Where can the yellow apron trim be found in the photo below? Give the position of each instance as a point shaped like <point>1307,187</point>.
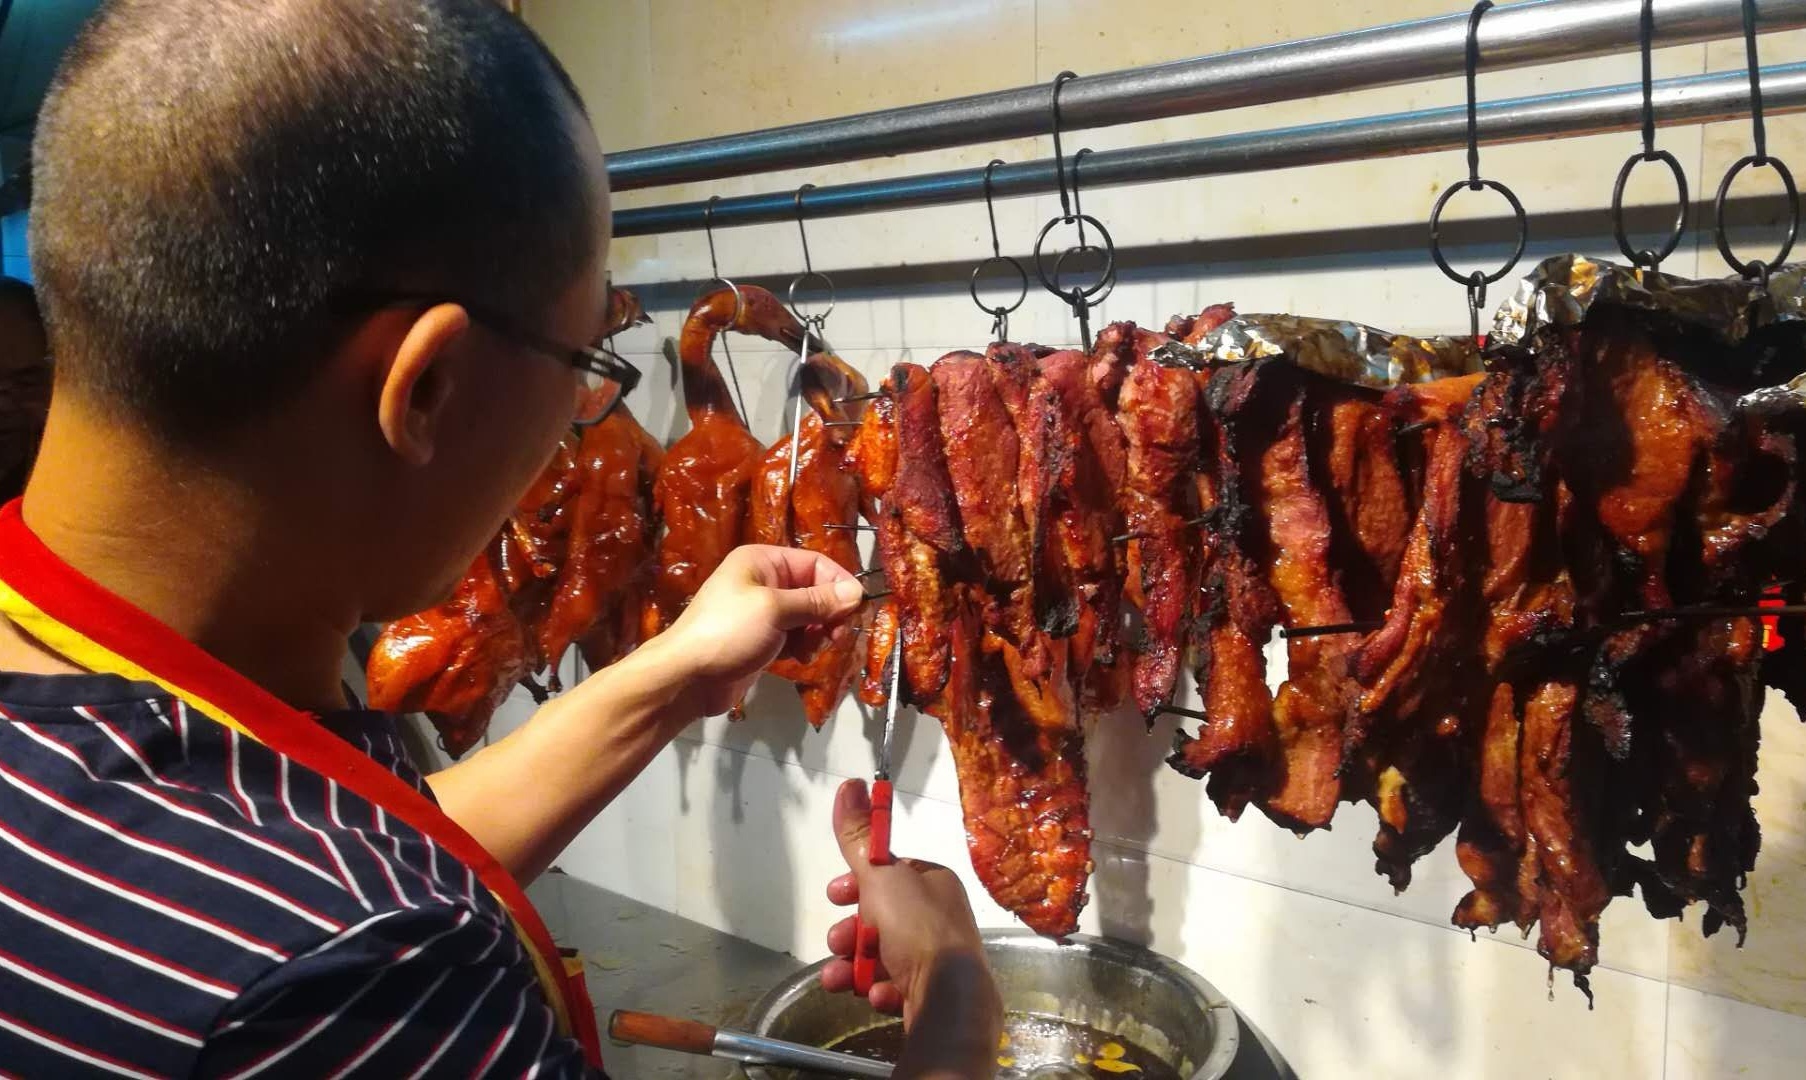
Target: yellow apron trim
<point>80,651</point>
<point>74,647</point>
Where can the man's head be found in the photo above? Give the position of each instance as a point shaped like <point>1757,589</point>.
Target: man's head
<point>226,191</point>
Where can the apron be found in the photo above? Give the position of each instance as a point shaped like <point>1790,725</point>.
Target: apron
<point>76,618</point>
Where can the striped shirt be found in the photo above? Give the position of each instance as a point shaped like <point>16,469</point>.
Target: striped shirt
<point>179,900</point>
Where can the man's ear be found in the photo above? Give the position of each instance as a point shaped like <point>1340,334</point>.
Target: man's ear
<point>418,383</point>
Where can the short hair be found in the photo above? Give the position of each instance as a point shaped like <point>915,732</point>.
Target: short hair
<point>213,178</point>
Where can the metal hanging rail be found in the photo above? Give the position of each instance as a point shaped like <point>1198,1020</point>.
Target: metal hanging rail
<point>1512,36</point>
<point>1691,100</point>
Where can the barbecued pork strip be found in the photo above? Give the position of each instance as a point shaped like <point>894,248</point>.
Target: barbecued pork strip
<point>1157,409</point>
<point>1404,739</point>
<point>1560,761</point>
<point>1236,746</point>
<point>919,527</point>
<point>1700,693</point>
<point>1696,696</point>
<point>1024,628</point>
<point>1526,595</point>
<point>1021,785</point>
<point>1082,562</point>
<point>1022,781</point>
<point>1262,409</point>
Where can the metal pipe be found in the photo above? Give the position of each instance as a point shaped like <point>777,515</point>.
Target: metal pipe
<point>1694,99</point>
<point>1513,36</point>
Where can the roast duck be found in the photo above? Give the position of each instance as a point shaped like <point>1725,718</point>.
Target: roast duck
<point>1064,533</point>
<point>570,566</point>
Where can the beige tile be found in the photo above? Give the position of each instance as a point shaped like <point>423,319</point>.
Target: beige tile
<point>1771,969</point>
<point>1342,991</point>
<point>1711,1037</point>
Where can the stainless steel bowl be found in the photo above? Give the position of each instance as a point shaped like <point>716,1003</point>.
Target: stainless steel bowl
<point>1119,989</point>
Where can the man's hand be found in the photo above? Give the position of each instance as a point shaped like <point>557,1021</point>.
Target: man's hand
<point>759,604</point>
<point>527,796</point>
<point>925,926</point>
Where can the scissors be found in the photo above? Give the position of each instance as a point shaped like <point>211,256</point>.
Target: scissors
<point>865,936</point>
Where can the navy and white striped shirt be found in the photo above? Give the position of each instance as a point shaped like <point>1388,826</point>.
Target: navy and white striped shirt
<point>179,900</point>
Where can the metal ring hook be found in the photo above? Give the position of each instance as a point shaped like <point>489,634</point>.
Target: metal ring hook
<point>1755,269</point>
<point>1475,282</point>
<point>809,271</point>
<point>1645,257</point>
<point>1000,315</point>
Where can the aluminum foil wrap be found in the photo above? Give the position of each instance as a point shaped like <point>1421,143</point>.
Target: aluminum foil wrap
<point>1738,333</point>
<point>1563,288</point>
<point>1338,349</point>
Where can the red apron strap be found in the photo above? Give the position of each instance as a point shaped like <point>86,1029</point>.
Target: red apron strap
<point>75,616</point>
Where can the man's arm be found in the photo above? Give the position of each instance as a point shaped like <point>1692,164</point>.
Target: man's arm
<point>527,796</point>
<point>932,967</point>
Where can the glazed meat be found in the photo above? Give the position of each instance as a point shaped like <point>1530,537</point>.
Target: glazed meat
<point>541,520</point>
<point>982,455</point>
<point>1157,408</point>
<point>456,662</point>
<point>1404,737</point>
<point>969,640</point>
<point>825,493</point>
<point>609,544</point>
<point>1079,565</point>
<point>705,482</point>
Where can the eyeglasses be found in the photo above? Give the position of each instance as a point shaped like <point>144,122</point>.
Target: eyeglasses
<point>605,381</point>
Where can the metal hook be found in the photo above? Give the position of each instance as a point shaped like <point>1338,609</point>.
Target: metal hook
<point>1473,69</point>
<point>808,267</point>
<point>727,351</point>
<point>708,230</point>
<point>1646,45</point>
<point>991,208</point>
<point>1078,210</point>
<point>1759,127</point>
<point>1059,154</point>
<point>809,272</point>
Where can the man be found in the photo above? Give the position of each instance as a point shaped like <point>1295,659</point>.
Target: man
<point>24,384</point>
<point>316,274</point>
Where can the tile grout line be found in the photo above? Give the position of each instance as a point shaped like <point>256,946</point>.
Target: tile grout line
<point>1238,875</point>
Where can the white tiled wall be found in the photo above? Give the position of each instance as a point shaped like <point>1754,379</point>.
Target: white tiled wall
<point>730,825</point>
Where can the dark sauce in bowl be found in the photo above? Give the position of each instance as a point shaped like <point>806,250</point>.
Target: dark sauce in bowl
<point>1036,1048</point>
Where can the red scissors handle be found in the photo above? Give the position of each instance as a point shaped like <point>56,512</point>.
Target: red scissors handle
<point>865,936</point>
